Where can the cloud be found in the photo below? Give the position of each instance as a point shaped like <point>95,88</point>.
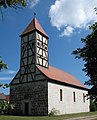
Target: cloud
<point>8,72</point>
<point>68,31</point>
<point>67,15</point>
<point>6,78</point>
<point>32,3</point>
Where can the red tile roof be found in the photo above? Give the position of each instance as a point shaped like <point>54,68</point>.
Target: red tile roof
<point>61,76</point>
<point>7,98</point>
<point>4,97</point>
<point>34,25</point>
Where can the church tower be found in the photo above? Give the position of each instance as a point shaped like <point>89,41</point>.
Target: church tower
<point>28,89</point>
<point>34,50</point>
<point>38,88</point>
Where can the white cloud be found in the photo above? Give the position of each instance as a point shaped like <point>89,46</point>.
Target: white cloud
<point>32,3</point>
<point>72,14</point>
<point>6,78</point>
<point>8,72</point>
<point>68,31</point>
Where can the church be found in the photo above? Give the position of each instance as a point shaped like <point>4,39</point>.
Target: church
<point>38,88</point>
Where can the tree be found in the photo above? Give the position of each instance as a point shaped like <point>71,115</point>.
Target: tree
<point>3,65</point>
<point>12,3</point>
<point>88,54</point>
<point>4,107</point>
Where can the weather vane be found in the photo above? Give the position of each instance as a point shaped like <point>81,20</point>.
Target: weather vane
<point>34,14</point>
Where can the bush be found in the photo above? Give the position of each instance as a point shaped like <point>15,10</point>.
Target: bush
<point>4,107</point>
<point>7,108</point>
<point>92,106</point>
<point>53,112</point>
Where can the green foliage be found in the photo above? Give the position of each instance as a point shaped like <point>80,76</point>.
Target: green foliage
<point>93,106</point>
<point>60,117</point>
<point>12,3</point>
<point>7,108</point>
<point>53,112</point>
<point>2,64</point>
<point>4,85</point>
<point>88,54</point>
<point>4,107</point>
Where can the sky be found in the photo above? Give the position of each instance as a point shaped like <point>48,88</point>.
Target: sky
<point>64,22</point>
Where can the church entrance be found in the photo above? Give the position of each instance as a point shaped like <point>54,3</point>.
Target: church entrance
<point>26,104</point>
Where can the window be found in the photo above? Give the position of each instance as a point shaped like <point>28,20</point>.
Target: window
<point>83,97</point>
<point>60,94</point>
<point>74,97</point>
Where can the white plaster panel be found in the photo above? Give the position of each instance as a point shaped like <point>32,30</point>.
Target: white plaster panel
<point>44,39</point>
<point>47,64</point>
<point>37,35</point>
<point>40,51</point>
<point>39,61</point>
<point>67,105</point>
<point>40,37</point>
<point>44,62</point>
<point>44,54</point>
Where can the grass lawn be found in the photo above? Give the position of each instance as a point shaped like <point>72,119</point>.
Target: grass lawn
<point>60,117</point>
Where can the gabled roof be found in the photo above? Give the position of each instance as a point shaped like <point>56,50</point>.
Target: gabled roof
<point>2,96</point>
<point>34,25</point>
<point>61,76</point>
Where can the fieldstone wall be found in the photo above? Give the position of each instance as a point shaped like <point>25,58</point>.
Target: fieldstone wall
<point>35,93</point>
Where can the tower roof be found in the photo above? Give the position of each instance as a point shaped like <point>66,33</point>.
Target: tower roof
<point>34,25</point>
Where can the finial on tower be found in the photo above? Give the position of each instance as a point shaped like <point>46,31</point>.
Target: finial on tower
<point>34,14</point>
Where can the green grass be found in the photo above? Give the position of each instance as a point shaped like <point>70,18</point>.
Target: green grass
<point>60,117</point>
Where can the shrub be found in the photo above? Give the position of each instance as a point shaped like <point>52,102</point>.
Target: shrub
<point>53,112</point>
<point>92,106</point>
<point>4,107</point>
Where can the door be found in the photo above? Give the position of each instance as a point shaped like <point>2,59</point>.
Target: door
<point>26,108</point>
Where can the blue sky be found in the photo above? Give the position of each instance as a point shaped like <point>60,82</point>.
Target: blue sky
<point>64,22</point>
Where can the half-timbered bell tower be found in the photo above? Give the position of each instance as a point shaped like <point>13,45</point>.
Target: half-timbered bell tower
<point>34,50</point>
<point>38,88</point>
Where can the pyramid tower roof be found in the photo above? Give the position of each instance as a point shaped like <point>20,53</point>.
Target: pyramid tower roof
<point>34,25</point>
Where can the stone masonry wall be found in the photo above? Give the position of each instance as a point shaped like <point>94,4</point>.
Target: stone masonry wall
<point>35,93</point>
